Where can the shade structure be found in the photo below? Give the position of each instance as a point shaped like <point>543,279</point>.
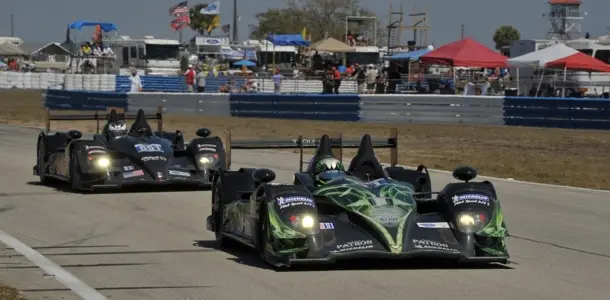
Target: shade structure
<point>411,55</point>
<point>288,40</point>
<point>332,45</point>
<point>541,57</point>
<point>465,53</point>
<point>245,62</point>
<point>579,62</point>
<point>104,26</point>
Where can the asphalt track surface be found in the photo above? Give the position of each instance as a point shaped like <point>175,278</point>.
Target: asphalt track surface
<point>155,246</point>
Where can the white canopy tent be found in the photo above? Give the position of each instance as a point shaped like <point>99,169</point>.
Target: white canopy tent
<point>541,57</point>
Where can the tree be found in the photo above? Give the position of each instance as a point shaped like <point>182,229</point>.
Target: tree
<point>504,35</point>
<point>199,21</point>
<point>322,18</point>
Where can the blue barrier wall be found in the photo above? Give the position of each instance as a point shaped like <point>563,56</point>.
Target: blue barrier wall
<point>584,113</point>
<point>311,107</point>
<point>172,84</point>
<point>512,111</point>
<point>77,100</point>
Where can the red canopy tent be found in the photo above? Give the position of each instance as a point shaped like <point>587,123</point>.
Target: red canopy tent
<point>579,62</point>
<point>465,53</point>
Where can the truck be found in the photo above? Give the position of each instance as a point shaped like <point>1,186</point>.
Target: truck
<point>149,55</point>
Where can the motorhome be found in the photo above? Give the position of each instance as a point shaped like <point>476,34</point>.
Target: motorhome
<point>13,40</point>
<point>364,55</point>
<point>269,54</point>
<point>150,55</point>
<point>592,83</point>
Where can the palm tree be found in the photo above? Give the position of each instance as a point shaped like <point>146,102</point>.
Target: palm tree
<point>199,21</point>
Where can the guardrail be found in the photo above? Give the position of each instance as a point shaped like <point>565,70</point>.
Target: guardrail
<point>447,109</point>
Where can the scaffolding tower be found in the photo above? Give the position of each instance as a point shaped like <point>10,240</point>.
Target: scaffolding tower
<point>565,18</point>
<point>419,26</point>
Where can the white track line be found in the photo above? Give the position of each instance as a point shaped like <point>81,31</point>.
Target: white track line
<point>62,275</point>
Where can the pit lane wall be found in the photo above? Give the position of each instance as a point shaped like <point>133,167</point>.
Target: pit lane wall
<point>444,109</point>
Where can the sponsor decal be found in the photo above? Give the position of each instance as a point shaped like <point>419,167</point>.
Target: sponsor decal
<point>431,245</point>
<point>94,148</point>
<point>375,183</point>
<point>148,148</point>
<point>354,245</point>
<point>433,225</point>
<point>206,147</point>
<point>305,141</point>
<point>128,168</point>
<point>285,202</point>
<point>133,174</point>
<point>470,199</point>
<point>327,226</point>
<point>149,158</point>
<point>179,173</point>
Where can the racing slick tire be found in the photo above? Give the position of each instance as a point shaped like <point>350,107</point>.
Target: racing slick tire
<point>75,172</point>
<point>263,232</point>
<point>217,214</point>
<point>40,162</point>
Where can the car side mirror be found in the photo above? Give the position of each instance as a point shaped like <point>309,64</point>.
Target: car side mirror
<point>464,173</point>
<point>263,175</point>
<point>74,134</point>
<point>203,132</point>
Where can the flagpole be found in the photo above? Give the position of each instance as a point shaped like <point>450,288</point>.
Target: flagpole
<point>235,21</point>
<point>180,36</point>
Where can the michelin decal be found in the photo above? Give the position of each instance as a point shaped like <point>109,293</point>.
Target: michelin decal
<point>285,202</point>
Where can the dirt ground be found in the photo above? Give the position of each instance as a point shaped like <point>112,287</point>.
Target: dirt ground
<point>557,156</point>
<point>9,293</point>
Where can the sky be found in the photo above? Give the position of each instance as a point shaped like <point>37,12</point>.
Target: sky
<point>46,20</point>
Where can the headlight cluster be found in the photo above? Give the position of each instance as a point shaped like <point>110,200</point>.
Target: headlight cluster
<point>302,221</point>
<point>471,221</point>
<point>102,162</point>
<point>208,160</point>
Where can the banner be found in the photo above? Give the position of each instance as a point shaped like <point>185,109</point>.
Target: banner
<point>212,9</point>
<point>215,23</point>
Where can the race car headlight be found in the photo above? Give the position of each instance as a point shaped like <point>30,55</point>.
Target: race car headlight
<point>470,221</point>
<point>102,162</point>
<point>307,222</point>
<point>207,160</point>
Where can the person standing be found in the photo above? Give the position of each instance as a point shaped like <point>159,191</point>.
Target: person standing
<point>136,82</point>
<point>201,82</point>
<point>190,79</point>
<point>336,79</point>
<point>277,81</point>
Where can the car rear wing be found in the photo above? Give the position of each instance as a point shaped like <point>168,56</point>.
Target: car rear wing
<point>101,116</point>
<point>337,145</point>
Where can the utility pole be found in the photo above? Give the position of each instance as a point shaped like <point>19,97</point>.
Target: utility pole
<point>235,21</point>
<point>12,25</point>
<point>462,31</point>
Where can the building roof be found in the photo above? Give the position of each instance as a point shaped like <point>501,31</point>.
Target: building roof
<point>31,47</point>
<point>9,49</point>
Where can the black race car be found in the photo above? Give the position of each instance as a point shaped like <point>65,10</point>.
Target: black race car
<point>119,158</point>
<point>365,211</point>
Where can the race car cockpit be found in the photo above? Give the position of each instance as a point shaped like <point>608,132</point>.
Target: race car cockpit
<point>114,128</point>
<point>365,165</point>
<point>140,126</point>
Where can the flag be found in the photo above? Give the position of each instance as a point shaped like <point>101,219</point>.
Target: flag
<point>226,28</point>
<point>179,9</point>
<point>304,33</point>
<point>180,22</point>
<point>215,23</point>
<point>211,9</point>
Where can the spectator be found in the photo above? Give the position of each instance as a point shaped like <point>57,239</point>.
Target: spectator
<point>190,79</point>
<point>136,82</point>
<point>360,76</point>
<point>371,78</point>
<point>277,81</point>
<point>336,79</point>
<point>12,65</point>
<point>201,82</point>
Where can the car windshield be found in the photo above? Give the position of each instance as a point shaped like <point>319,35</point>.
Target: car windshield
<point>331,175</point>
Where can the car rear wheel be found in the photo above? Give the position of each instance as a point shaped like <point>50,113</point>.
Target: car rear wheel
<point>75,173</point>
<point>263,234</point>
<point>217,208</point>
<point>40,163</point>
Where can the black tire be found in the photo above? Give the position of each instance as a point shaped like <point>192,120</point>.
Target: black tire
<point>217,214</point>
<point>263,234</point>
<point>75,173</point>
<point>40,163</point>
